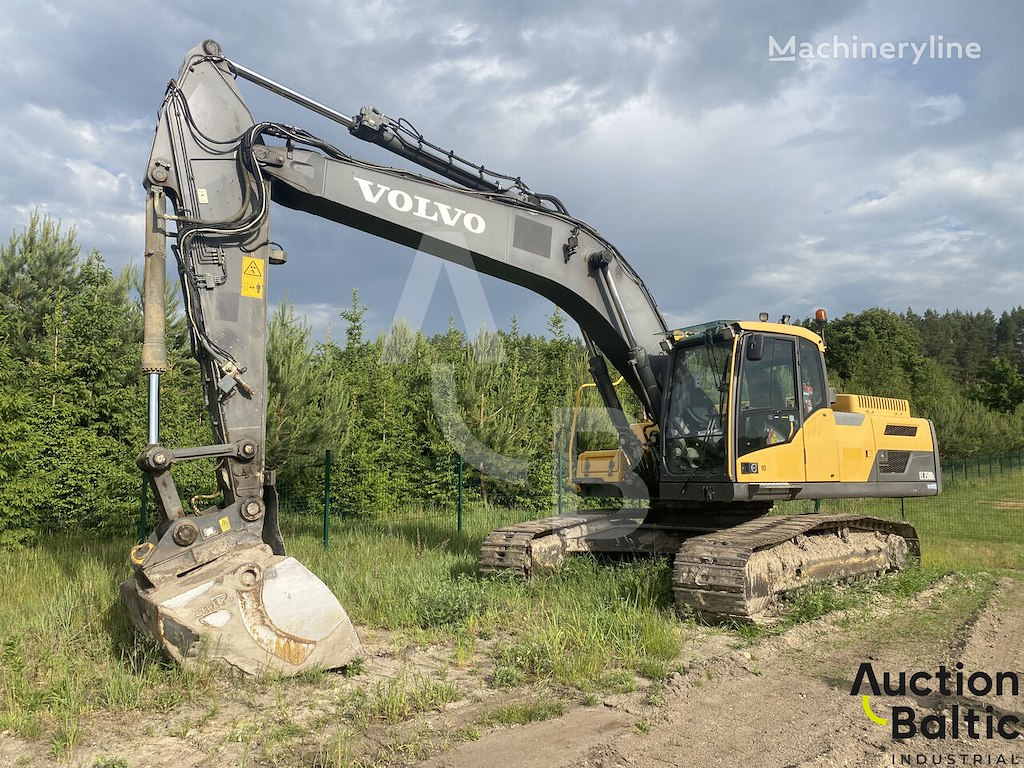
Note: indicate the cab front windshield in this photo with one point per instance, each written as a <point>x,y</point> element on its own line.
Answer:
<point>695,428</point>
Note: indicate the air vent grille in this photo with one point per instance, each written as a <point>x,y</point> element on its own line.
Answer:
<point>895,463</point>
<point>901,430</point>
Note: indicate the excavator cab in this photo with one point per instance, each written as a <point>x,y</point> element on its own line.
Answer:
<point>750,417</point>
<point>734,392</point>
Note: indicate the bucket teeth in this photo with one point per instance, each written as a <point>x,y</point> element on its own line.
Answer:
<point>251,610</point>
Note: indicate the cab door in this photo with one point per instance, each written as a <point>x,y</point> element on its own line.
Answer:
<point>821,444</point>
<point>769,439</point>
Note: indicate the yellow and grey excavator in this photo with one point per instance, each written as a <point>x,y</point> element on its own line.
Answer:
<point>735,415</point>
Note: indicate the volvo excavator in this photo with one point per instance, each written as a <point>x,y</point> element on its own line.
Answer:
<point>735,415</point>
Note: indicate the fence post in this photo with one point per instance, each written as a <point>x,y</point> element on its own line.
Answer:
<point>144,508</point>
<point>903,511</point>
<point>327,496</point>
<point>558,470</point>
<point>458,518</point>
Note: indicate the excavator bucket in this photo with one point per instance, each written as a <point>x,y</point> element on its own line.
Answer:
<point>249,609</point>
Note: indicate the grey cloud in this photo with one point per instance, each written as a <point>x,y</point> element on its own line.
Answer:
<point>732,183</point>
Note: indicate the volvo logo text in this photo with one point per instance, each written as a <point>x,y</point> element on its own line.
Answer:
<point>422,207</point>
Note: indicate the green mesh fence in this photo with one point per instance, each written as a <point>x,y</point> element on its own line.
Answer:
<point>977,521</point>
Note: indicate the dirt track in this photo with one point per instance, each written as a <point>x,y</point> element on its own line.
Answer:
<point>786,701</point>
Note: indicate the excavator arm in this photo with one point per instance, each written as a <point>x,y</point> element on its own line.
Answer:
<point>215,582</point>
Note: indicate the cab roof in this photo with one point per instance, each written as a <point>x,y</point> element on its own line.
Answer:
<point>785,329</point>
<point>680,335</point>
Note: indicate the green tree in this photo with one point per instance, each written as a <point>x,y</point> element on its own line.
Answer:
<point>877,353</point>
<point>355,317</point>
<point>961,342</point>
<point>87,404</point>
<point>979,341</point>
<point>1001,387</point>
<point>496,395</point>
<point>37,266</point>
<point>19,515</point>
<point>307,403</point>
<point>940,338</point>
<point>1010,336</point>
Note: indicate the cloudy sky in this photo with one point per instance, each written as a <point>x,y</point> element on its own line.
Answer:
<point>732,183</point>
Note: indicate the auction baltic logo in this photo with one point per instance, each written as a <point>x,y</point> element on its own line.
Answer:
<point>964,717</point>
<point>935,48</point>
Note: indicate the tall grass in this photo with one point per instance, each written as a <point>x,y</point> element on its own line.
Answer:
<point>575,626</point>
<point>66,646</point>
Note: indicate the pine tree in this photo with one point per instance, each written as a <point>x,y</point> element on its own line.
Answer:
<point>19,516</point>
<point>1010,337</point>
<point>355,316</point>
<point>493,427</point>
<point>36,267</point>
<point>88,409</point>
<point>307,402</point>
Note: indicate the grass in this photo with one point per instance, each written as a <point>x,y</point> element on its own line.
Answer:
<point>396,699</point>
<point>922,636</point>
<point>643,727</point>
<point>66,647</point>
<point>521,713</point>
<point>808,604</point>
<point>67,650</point>
<point>574,627</point>
<point>854,599</point>
<point>920,632</point>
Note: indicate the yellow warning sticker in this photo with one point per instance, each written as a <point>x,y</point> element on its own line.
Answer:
<point>225,525</point>
<point>252,277</point>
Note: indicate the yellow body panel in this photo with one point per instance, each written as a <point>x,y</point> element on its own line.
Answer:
<point>873,406</point>
<point>608,466</point>
<point>782,463</point>
<point>830,450</point>
<point>859,444</point>
<point>821,446</point>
